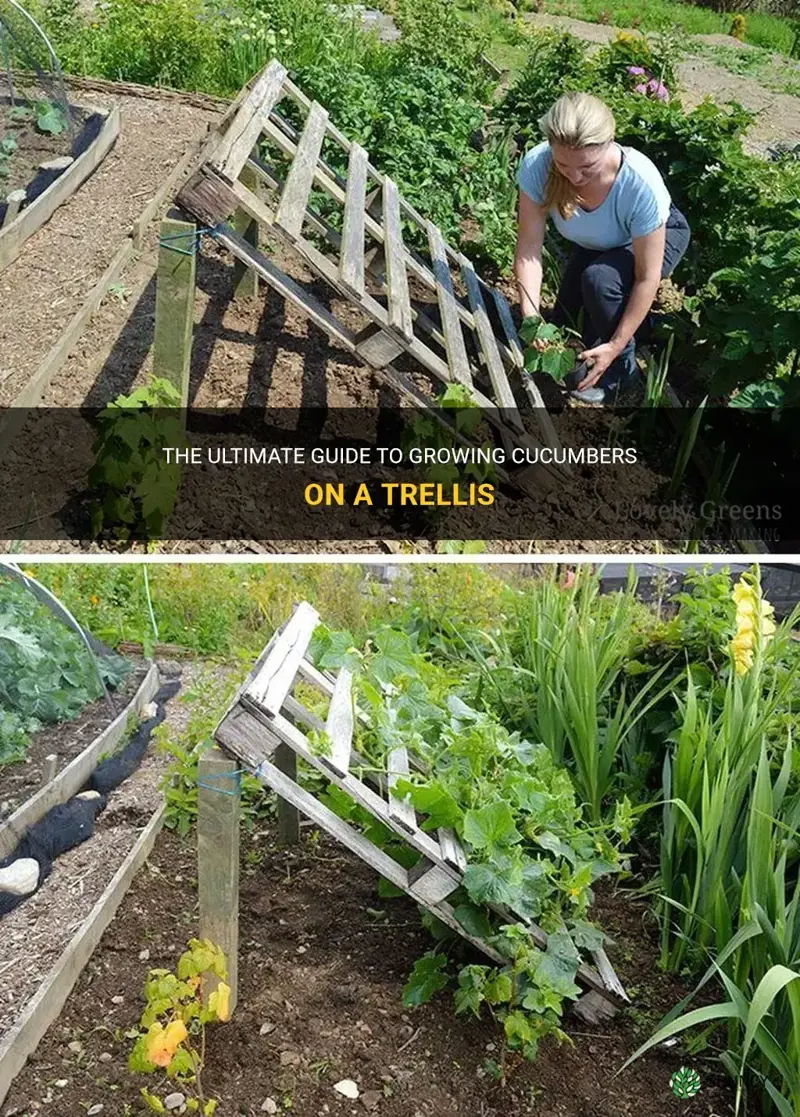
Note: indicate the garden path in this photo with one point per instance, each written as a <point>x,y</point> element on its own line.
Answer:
<point>778,113</point>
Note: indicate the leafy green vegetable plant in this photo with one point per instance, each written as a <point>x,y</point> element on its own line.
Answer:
<point>46,673</point>
<point>553,355</point>
<point>135,487</point>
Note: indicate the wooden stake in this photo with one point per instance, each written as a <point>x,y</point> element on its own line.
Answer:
<point>49,768</point>
<point>244,278</point>
<point>218,803</point>
<point>175,291</point>
<point>285,761</point>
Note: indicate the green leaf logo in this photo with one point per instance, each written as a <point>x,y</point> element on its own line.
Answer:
<point>685,1083</point>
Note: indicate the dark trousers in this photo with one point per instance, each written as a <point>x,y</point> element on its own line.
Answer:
<point>601,283</point>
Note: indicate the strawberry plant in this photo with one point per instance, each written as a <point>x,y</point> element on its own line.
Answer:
<point>172,1030</point>
<point>135,489</point>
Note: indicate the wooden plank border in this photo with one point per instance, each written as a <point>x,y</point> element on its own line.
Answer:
<point>31,219</point>
<point>46,1004</point>
<point>71,779</point>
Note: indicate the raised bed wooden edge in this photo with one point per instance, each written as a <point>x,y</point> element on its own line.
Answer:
<point>69,781</point>
<point>44,1007</point>
<point>30,220</point>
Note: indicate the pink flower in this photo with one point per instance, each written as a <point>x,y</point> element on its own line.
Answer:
<point>635,70</point>
<point>659,89</point>
<point>642,88</point>
<point>569,580</point>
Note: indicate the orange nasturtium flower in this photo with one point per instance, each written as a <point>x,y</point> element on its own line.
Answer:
<point>95,600</point>
<point>220,1001</point>
<point>162,1043</point>
<point>754,622</point>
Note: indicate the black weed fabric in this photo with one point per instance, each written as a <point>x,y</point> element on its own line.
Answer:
<point>69,824</point>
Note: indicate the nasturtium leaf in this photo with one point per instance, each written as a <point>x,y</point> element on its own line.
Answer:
<point>491,826</point>
<point>387,890</point>
<point>427,978</point>
<point>474,920</point>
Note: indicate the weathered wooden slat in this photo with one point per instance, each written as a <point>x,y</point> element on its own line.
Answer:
<point>396,276</point>
<point>509,329</point>
<point>241,730</point>
<point>339,724</point>
<point>489,347</point>
<point>233,151</point>
<point>287,287</point>
<point>448,308</point>
<point>294,200</point>
<point>336,827</point>
<point>518,357</point>
<point>450,846</point>
<point>377,347</point>
<point>273,682</point>
<point>351,261</point>
<point>358,791</point>
<point>397,769</point>
<point>608,974</point>
<point>431,884</point>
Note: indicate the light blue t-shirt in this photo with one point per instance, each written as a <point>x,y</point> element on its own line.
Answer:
<point>636,204</point>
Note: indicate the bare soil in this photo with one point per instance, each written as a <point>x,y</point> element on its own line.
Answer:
<point>778,113</point>
<point>33,935</point>
<point>322,966</point>
<point>67,740</point>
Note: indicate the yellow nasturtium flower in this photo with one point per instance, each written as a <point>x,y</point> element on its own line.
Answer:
<point>754,621</point>
<point>162,1043</point>
<point>220,1001</point>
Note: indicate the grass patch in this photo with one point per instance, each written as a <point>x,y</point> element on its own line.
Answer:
<point>761,29</point>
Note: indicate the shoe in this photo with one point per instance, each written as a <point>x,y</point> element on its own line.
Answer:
<point>594,395</point>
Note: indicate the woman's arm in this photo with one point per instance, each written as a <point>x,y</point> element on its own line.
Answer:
<point>528,258</point>
<point>648,254</point>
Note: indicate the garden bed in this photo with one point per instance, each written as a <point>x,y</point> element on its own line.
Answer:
<point>19,780</point>
<point>45,163</point>
<point>45,936</point>
<point>322,966</point>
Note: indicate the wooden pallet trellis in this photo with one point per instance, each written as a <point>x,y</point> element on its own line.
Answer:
<point>477,337</point>
<point>264,731</point>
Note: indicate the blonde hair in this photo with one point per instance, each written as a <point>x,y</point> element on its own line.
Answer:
<point>575,120</point>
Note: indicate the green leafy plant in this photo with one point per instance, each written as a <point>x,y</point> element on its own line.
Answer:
<point>46,672</point>
<point>173,1025</point>
<point>134,487</point>
<point>514,810</point>
<point>50,118</point>
<point>553,355</point>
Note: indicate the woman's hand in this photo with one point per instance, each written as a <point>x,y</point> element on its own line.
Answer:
<point>599,360</point>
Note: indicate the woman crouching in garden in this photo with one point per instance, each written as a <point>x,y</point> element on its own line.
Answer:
<point>613,205</point>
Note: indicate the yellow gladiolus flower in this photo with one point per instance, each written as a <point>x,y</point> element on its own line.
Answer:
<point>162,1043</point>
<point>753,622</point>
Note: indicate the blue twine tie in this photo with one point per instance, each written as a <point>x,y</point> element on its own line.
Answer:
<point>194,237</point>
<point>235,772</point>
